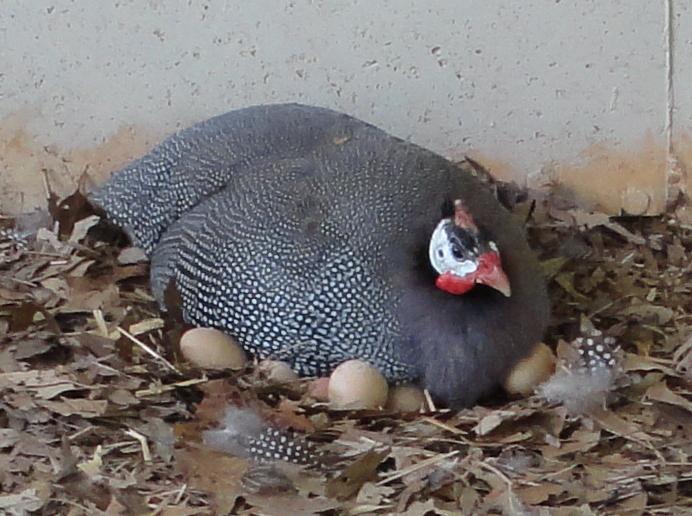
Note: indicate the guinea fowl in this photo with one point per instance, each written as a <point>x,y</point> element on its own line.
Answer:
<point>313,237</point>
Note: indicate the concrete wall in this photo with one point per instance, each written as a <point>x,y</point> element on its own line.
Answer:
<point>576,91</point>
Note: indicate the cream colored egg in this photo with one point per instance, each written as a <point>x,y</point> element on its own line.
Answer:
<point>406,398</point>
<point>357,385</point>
<point>276,371</point>
<point>209,348</point>
<point>531,371</point>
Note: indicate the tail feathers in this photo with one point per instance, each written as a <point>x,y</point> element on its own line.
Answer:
<point>165,259</point>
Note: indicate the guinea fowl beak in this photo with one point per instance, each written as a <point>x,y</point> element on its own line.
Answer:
<point>490,273</point>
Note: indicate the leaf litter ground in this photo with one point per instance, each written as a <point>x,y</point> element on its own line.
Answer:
<point>99,413</point>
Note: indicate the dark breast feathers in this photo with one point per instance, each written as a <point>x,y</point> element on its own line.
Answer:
<point>303,232</point>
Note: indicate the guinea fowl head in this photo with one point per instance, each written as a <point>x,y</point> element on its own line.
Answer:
<point>463,256</point>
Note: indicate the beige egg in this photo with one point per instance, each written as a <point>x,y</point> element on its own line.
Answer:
<point>406,398</point>
<point>212,349</point>
<point>531,371</point>
<point>357,385</point>
<point>276,371</point>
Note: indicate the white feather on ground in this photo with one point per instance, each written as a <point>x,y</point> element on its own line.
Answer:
<point>579,390</point>
<point>238,427</point>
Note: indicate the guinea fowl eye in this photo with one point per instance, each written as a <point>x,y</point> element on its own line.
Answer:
<point>456,252</point>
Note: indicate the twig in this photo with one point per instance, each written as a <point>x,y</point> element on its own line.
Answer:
<point>101,323</point>
<point>160,389</point>
<point>442,425</point>
<point>429,401</point>
<point>78,434</point>
<point>146,454</point>
<point>416,467</point>
<point>148,350</point>
<point>497,472</point>
<point>21,282</point>
<point>180,494</point>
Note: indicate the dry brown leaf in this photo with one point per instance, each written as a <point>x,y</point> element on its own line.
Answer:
<point>21,503</point>
<point>90,299</point>
<point>613,423</point>
<point>131,255</point>
<point>537,494</point>
<point>8,437</point>
<point>283,504</point>
<point>348,482</point>
<point>657,314</point>
<point>214,473</point>
<point>70,407</point>
<point>580,441</point>
<point>420,508</point>
<point>82,227</point>
<point>661,392</point>
<point>633,362</point>
<point>632,505</point>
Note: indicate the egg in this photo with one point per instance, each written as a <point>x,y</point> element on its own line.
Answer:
<point>276,371</point>
<point>209,348</point>
<point>531,371</point>
<point>357,385</point>
<point>406,398</point>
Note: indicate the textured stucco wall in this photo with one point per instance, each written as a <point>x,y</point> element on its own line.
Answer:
<point>576,91</point>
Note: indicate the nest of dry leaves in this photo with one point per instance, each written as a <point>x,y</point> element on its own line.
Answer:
<point>99,413</point>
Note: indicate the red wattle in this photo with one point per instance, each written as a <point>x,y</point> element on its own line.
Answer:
<point>454,284</point>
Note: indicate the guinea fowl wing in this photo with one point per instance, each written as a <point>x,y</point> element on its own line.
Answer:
<point>269,265</point>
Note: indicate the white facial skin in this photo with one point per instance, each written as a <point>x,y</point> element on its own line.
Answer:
<point>441,257</point>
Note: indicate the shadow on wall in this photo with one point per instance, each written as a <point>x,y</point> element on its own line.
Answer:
<point>606,177</point>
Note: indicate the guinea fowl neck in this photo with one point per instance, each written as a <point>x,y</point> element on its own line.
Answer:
<point>462,345</point>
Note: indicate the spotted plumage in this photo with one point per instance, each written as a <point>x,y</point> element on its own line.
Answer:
<point>243,432</point>
<point>597,353</point>
<point>304,233</point>
<point>275,445</point>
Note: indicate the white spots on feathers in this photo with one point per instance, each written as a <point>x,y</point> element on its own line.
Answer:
<point>243,433</point>
<point>596,352</point>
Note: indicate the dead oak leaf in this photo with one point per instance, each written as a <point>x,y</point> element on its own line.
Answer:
<point>661,392</point>
<point>634,362</point>
<point>616,425</point>
<point>534,495</point>
<point>32,347</point>
<point>493,420</point>
<point>81,407</point>
<point>8,437</point>
<point>131,256</point>
<point>44,384</point>
<point>89,299</point>
<point>580,441</point>
<point>430,506</point>
<point>213,472</point>
<point>290,503</point>
<point>287,416</point>
<point>351,479</point>
<point>21,503</point>
<point>372,494</point>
